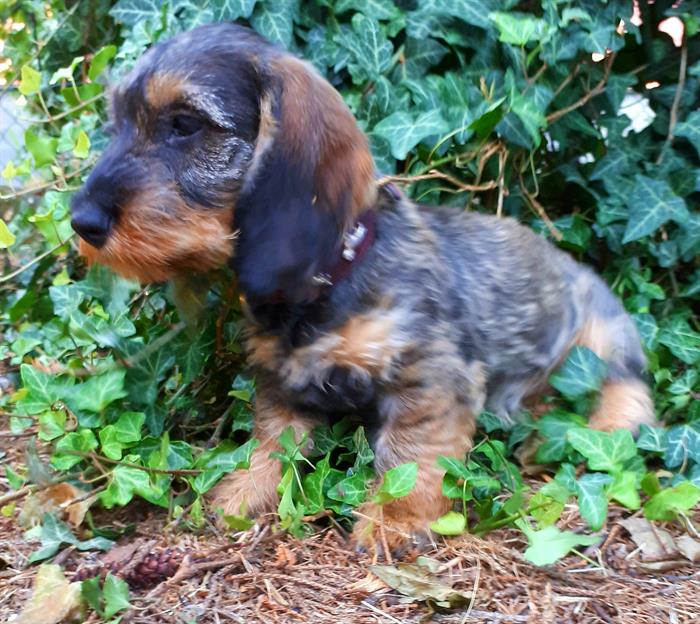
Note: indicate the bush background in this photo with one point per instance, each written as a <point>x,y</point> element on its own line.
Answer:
<point>515,108</point>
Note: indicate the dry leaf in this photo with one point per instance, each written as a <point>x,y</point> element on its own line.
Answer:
<point>47,500</point>
<point>418,583</point>
<point>689,547</point>
<point>654,543</point>
<point>370,584</point>
<point>53,599</point>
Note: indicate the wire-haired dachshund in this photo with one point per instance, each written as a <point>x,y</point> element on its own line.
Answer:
<point>228,150</point>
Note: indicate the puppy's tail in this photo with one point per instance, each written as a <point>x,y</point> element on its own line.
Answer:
<point>625,399</point>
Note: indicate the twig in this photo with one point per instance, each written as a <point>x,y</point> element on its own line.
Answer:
<point>116,462</point>
<point>21,493</point>
<point>435,174</point>
<point>502,157</point>
<point>539,209</point>
<point>374,609</point>
<point>33,261</point>
<point>599,88</point>
<point>21,434</point>
<point>47,185</point>
<point>70,111</point>
<point>673,117</point>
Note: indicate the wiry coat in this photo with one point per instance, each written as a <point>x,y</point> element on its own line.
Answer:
<point>229,148</point>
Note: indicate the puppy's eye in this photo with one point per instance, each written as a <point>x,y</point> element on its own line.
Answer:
<point>186,125</point>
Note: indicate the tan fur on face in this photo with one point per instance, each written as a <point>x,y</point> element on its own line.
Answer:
<point>165,89</point>
<point>319,127</point>
<point>254,491</point>
<point>623,405</point>
<point>266,134</point>
<point>157,236</point>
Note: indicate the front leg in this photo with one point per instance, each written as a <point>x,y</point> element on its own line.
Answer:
<point>254,491</point>
<point>419,426</point>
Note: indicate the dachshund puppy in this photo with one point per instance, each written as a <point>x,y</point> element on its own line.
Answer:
<point>227,149</point>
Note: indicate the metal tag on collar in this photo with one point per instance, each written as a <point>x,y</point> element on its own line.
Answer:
<point>322,279</point>
<point>352,240</point>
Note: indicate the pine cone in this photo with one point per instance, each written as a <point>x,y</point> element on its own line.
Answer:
<point>154,568</point>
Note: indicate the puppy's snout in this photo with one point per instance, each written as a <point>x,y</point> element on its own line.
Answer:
<point>91,220</point>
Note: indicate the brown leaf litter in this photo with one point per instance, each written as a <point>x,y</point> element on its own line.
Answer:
<point>266,576</point>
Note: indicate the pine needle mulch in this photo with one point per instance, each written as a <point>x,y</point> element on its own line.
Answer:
<point>267,576</point>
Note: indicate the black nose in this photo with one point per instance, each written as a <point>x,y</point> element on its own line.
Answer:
<point>91,222</point>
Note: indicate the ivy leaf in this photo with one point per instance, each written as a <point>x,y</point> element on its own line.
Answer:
<point>82,441</point>
<point>602,449</point>
<point>683,444</point>
<point>404,131</point>
<point>553,427</point>
<point>43,389</point>
<point>230,10</point>
<point>98,392</point>
<point>690,129</point>
<point>133,12</point>
<point>54,534</point>
<point>518,28</point>
<point>550,544</point>
<point>81,149</point>
<point>592,501</point>
<point>681,340</point>
<point>651,203</point>
<point>7,238</point>
<point>545,509</point>
<point>624,489</point>
<point>30,82</point>
<point>379,9</point>
<point>274,19</point>
<point>668,503</point>
<point>351,490</point>
<point>125,482</point>
<point>421,55</point>
<point>370,49</point>
<point>582,372</point>
<point>100,60</point>
<point>43,149</point>
<point>116,595</point>
<point>652,439</point>
<point>452,523</point>
<point>397,483</point>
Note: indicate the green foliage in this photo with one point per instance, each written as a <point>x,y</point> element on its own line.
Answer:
<point>142,391</point>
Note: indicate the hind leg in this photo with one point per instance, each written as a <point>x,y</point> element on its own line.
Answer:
<point>625,399</point>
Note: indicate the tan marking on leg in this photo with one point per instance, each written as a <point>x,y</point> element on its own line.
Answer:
<point>254,491</point>
<point>595,334</point>
<point>370,344</point>
<point>623,405</point>
<point>437,425</point>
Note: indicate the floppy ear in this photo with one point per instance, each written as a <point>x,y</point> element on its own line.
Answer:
<point>311,175</point>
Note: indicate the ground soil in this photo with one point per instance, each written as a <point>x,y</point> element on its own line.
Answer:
<point>265,575</point>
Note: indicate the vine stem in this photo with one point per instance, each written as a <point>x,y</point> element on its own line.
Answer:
<point>673,116</point>
<point>117,462</point>
<point>435,174</point>
<point>39,258</point>
<point>598,89</point>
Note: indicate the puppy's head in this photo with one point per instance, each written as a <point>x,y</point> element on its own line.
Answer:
<point>225,148</point>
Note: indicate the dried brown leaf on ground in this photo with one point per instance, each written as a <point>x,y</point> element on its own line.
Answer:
<point>54,599</point>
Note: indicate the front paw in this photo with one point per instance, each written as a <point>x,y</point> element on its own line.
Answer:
<point>379,528</point>
<point>240,493</point>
